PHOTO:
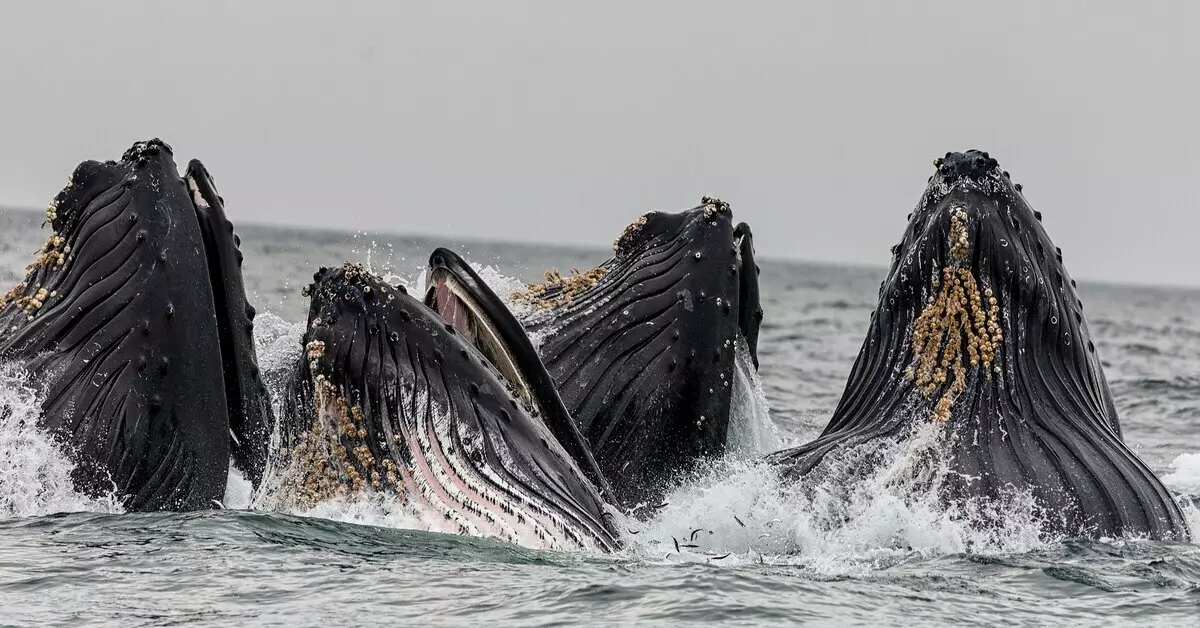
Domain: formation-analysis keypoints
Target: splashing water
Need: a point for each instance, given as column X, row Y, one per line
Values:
column 1184, row 481
column 1186, row 475
column 35, row 474
column 839, row 520
column 369, row 508
column 277, row 344
column 738, row 510
column 239, row 492
column 751, row 430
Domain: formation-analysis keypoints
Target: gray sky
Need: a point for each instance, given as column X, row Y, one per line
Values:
column 562, row 121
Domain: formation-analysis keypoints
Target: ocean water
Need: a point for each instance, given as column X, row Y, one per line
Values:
column 731, row 545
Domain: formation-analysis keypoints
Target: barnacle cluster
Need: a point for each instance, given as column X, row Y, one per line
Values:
column 355, row 272
column 960, row 314
column 560, row 289
column 713, row 206
column 31, row 297
column 628, row 234
column 314, row 349
column 54, row 253
column 332, row 457
column 29, row 301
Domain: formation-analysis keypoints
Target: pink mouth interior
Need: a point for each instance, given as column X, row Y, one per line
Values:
column 451, row 308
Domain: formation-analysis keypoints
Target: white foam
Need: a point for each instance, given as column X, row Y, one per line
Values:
column 368, row 508
column 1186, row 475
column 840, row 520
column 239, row 492
column 506, row 288
column 35, row 473
column 500, row 283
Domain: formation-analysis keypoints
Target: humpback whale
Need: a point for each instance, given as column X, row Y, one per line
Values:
column 979, row 332
column 133, row 319
column 391, row 397
column 642, row 347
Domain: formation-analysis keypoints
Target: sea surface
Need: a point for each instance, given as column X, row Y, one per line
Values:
column 764, row 553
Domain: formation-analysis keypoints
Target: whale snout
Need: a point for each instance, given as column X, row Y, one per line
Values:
column 972, row 164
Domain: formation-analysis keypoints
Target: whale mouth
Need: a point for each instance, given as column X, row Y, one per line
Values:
column 468, row 305
column 390, row 399
column 458, row 306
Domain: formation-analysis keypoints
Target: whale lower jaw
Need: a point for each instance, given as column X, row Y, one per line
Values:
column 426, row 468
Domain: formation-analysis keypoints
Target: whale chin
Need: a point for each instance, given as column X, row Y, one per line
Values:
column 134, row 319
column 980, row 332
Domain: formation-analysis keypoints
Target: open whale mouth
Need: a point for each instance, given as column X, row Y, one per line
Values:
column 458, row 305
column 457, row 293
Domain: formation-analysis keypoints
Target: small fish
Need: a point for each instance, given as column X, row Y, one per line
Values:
column 763, row 535
column 721, row 557
column 693, row 538
column 689, row 545
column 661, row 506
column 632, row 531
column 676, row 543
column 735, row 518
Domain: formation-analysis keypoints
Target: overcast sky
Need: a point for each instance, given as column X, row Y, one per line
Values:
column 562, row 121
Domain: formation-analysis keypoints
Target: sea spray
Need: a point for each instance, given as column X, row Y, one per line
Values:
column 239, row 492
column 277, row 343
column 873, row 504
column 369, row 508
column 35, row 472
column 1184, row 481
column 751, row 431
column 1185, row 477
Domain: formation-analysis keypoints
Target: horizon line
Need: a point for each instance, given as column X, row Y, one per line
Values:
column 600, row 247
